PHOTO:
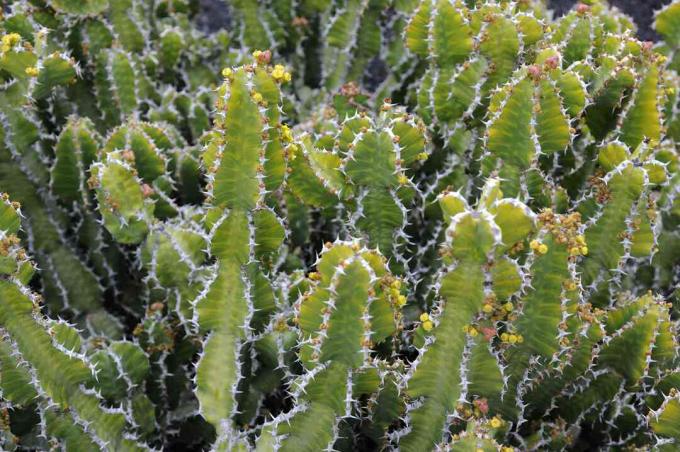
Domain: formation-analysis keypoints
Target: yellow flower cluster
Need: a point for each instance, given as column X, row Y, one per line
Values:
column 496, row 422
column 427, row 323
column 496, row 310
column 32, row 71
column 8, row 41
column 540, row 248
column 511, row 338
column 394, row 292
column 471, row 330
column 280, row 74
column 564, row 229
column 286, row 134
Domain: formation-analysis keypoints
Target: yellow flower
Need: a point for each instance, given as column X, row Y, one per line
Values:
column 508, row 306
column 422, row 156
column 427, row 325
column 9, row 41
column 401, row 300
column 542, row 248
column 257, row 97
column 424, row 317
column 495, row 422
column 534, row 244
column 286, row 134
column 227, row 72
column 278, row 72
column 32, row 71
column 488, row 308
column 287, row 77
column 584, row 250
column 403, row 180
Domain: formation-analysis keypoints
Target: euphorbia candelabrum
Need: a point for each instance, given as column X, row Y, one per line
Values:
column 338, row 225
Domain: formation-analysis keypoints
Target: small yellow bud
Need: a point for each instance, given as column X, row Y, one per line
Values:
column 257, row 54
column 427, row 326
column 401, row 300
column 286, row 134
column 10, row 40
column 424, row 317
column 279, row 73
column 542, row 248
column 495, row 422
column 584, row 250
column 403, row 180
column 473, row 332
column 257, row 97
column 505, row 337
column 32, row 71
column 520, row 338
column 422, row 156
column 508, row 306
column 512, row 338
column 396, row 284
column 534, row 244
column 227, row 72
column 487, row 308
column 287, row 77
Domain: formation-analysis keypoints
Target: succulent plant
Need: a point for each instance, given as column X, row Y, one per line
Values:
column 338, row 225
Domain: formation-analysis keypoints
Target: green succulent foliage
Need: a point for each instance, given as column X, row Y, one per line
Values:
column 338, row 225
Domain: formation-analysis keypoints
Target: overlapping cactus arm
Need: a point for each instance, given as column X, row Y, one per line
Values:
column 529, row 119
column 76, row 149
column 353, row 304
column 541, row 329
column 643, row 329
column 470, row 51
column 49, row 359
column 667, row 24
column 340, row 40
column 619, row 214
column 378, row 160
column 475, row 241
column 70, row 284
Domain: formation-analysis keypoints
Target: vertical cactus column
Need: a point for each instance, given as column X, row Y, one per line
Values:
column 476, row 242
column 246, row 163
column 353, row 303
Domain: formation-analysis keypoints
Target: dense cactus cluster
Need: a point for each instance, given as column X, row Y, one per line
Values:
column 338, row 225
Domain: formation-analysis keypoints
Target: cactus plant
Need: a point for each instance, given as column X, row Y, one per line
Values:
column 338, row 225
